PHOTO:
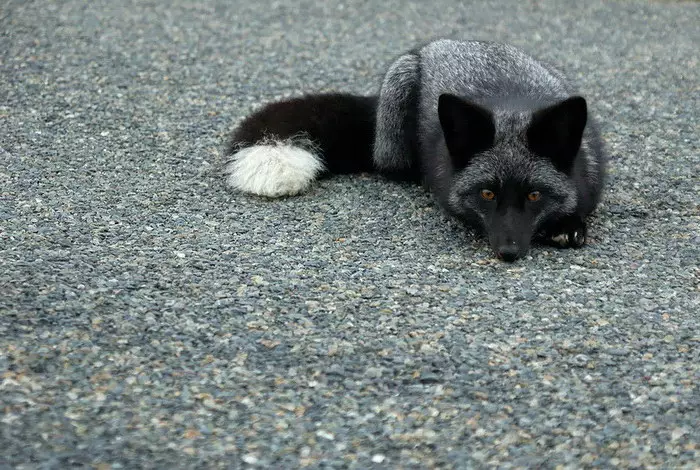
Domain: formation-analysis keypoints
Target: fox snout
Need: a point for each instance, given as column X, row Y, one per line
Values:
column 509, row 251
column 510, row 237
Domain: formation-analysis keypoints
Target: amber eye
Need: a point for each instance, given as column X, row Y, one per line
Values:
column 488, row 194
column 534, row 196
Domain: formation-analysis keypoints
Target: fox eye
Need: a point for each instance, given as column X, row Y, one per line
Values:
column 534, row 196
column 488, row 195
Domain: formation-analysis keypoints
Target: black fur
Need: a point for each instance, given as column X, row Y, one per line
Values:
column 468, row 128
column 556, row 131
column 341, row 125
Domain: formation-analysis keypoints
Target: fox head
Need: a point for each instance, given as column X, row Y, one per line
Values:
column 512, row 168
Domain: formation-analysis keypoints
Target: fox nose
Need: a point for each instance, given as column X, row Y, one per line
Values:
column 507, row 253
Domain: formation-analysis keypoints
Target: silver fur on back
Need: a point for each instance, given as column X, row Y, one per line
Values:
column 399, row 89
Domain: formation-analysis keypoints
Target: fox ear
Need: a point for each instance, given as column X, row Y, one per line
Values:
column 556, row 131
column 468, row 128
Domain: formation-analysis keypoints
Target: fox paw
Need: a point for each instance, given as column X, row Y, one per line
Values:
column 569, row 232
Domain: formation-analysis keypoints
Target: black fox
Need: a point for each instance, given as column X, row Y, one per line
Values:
column 502, row 140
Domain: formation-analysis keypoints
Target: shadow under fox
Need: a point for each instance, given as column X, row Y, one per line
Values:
column 502, row 141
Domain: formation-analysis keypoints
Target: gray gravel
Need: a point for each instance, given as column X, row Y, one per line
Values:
column 150, row 318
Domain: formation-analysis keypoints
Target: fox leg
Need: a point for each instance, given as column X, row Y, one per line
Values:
column 566, row 232
column 396, row 126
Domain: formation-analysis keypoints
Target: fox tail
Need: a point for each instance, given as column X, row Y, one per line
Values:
column 282, row 148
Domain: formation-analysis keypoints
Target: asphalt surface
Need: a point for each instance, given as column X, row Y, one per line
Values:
column 151, row 318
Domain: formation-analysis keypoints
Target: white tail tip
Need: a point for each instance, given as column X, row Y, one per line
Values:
column 273, row 169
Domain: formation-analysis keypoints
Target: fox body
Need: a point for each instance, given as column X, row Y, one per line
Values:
column 502, row 141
